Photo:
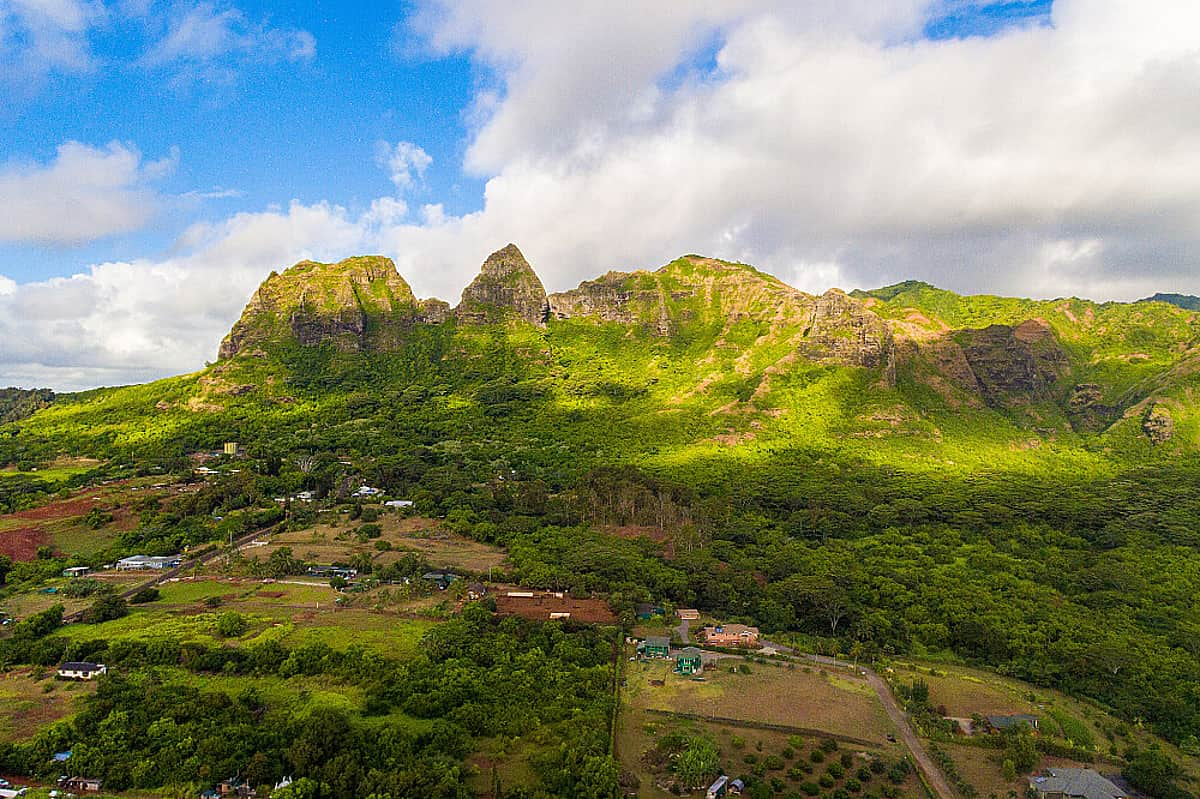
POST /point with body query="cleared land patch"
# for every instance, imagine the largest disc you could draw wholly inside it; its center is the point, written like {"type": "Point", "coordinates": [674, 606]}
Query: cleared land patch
{"type": "Point", "coordinates": [770, 694]}
{"type": "Point", "coordinates": [336, 540]}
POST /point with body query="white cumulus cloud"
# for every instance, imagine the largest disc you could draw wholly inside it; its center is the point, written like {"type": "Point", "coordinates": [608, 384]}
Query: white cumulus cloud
{"type": "Point", "coordinates": [84, 193]}
{"type": "Point", "coordinates": [404, 162]}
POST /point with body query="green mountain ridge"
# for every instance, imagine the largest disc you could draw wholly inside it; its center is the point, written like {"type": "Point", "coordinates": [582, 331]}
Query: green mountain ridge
{"type": "Point", "coordinates": [753, 356]}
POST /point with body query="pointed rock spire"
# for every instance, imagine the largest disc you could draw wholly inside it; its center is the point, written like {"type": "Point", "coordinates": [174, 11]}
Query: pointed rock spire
{"type": "Point", "coordinates": [505, 288]}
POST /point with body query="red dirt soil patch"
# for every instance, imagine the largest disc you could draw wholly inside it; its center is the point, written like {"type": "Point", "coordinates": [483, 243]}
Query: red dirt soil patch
{"type": "Point", "coordinates": [592, 611]}
{"type": "Point", "coordinates": [64, 509]}
{"type": "Point", "coordinates": [22, 543]}
{"type": "Point", "coordinates": [632, 532]}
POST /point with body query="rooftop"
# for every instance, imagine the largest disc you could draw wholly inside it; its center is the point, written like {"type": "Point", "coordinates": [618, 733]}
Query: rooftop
{"type": "Point", "coordinates": [1082, 782]}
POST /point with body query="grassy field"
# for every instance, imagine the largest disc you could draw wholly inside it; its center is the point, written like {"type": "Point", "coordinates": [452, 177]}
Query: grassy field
{"type": "Point", "coordinates": [335, 540]}
{"type": "Point", "coordinates": [27, 704]}
{"type": "Point", "coordinates": [774, 694]}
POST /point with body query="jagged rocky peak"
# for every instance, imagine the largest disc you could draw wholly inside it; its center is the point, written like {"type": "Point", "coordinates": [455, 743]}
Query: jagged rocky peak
{"type": "Point", "coordinates": [313, 302]}
{"type": "Point", "coordinates": [505, 288]}
{"type": "Point", "coordinates": [843, 330]}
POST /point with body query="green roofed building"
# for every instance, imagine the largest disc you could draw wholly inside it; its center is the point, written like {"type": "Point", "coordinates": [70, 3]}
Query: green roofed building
{"type": "Point", "coordinates": [655, 646]}
{"type": "Point", "coordinates": [688, 661]}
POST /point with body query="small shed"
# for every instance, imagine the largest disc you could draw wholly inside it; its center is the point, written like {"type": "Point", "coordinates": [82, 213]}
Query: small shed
{"type": "Point", "coordinates": [76, 571]}
{"type": "Point", "coordinates": [689, 661]}
{"type": "Point", "coordinates": [718, 788]}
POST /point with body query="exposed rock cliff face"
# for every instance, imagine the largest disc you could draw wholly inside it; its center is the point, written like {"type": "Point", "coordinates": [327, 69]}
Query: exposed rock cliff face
{"type": "Point", "coordinates": [358, 303]}
{"type": "Point", "coordinates": [1014, 364]}
{"type": "Point", "coordinates": [833, 328]}
{"type": "Point", "coordinates": [505, 288]}
{"type": "Point", "coordinates": [1157, 424]}
{"type": "Point", "coordinates": [841, 330]}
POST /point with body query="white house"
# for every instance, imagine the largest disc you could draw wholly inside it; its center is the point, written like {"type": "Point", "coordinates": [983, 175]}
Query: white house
{"type": "Point", "coordinates": [156, 562]}
{"type": "Point", "coordinates": [368, 491]}
{"type": "Point", "coordinates": [399, 503]}
{"type": "Point", "coordinates": [76, 670]}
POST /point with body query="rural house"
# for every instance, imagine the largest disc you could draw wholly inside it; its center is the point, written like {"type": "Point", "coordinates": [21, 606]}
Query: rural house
{"type": "Point", "coordinates": [1002, 723]}
{"type": "Point", "coordinates": [80, 784]}
{"type": "Point", "coordinates": [645, 610]}
{"type": "Point", "coordinates": [655, 646]}
{"type": "Point", "coordinates": [156, 563]}
{"type": "Point", "coordinates": [235, 787]}
{"type": "Point", "coordinates": [687, 614]}
{"type": "Point", "coordinates": [1074, 783]}
{"type": "Point", "coordinates": [76, 670]}
{"type": "Point", "coordinates": [441, 579]}
{"type": "Point", "coordinates": [731, 635]}
{"type": "Point", "coordinates": [76, 571]}
{"type": "Point", "coordinates": [688, 661]}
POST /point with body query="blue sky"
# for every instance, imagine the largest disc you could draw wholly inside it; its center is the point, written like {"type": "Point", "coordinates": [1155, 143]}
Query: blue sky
{"type": "Point", "coordinates": [159, 158]}
{"type": "Point", "coordinates": [269, 133]}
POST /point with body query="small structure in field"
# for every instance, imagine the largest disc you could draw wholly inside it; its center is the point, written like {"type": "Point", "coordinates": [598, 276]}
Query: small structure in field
{"type": "Point", "coordinates": [1074, 783]}
{"type": "Point", "coordinates": [689, 661]}
{"type": "Point", "coordinates": [1002, 723]}
{"type": "Point", "coordinates": [731, 635]}
{"type": "Point", "coordinates": [80, 670]}
{"type": "Point", "coordinates": [655, 646]}
{"type": "Point", "coordinates": [399, 504]}
{"type": "Point", "coordinates": [476, 591]}
{"type": "Point", "coordinates": [718, 788]}
{"type": "Point", "coordinates": [441, 579]}
{"type": "Point", "coordinates": [367, 491]}
{"type": "Point", "coordinates": [687, 614]}
{"type": "Point", "coordinates": [76, 571]}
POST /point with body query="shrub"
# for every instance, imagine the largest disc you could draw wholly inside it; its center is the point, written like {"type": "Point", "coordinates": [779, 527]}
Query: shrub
{"type": "Point", "coordinates": [787, 752]}
{"type": "Point", "coordinates": [826, 781]}
{"type": "Point", "coordinates": [817, 756]}
{"type": "Point", "coordinates": [829, 745]}
{"type": "Point", "coordinates": [847, 759]}
{"type": "Point", "coordinates": [106, 608]}
{"type": "Point", "coordinates": [144, 595]}
{"type": "Point", "coordinates": [810, 788]}
{"type": "Point", "coordinates": [863, 774]}
{"type": "Point", "coordinates": [773, 762]}
{"type": "Point", "coordinates": [836, 770]}
{"type": "Point", "coordinates": [853, 786]}
{"type": "Point", "coordinates": [231, 624]}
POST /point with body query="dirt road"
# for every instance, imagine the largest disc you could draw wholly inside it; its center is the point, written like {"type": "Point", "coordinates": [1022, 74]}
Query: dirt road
{"type": "Point", "coordinates": [933, 774]}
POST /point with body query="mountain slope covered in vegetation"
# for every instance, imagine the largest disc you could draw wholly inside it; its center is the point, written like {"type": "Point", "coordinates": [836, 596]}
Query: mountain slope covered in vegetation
{"type": "Point", "coordinates": [1002, 480]}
